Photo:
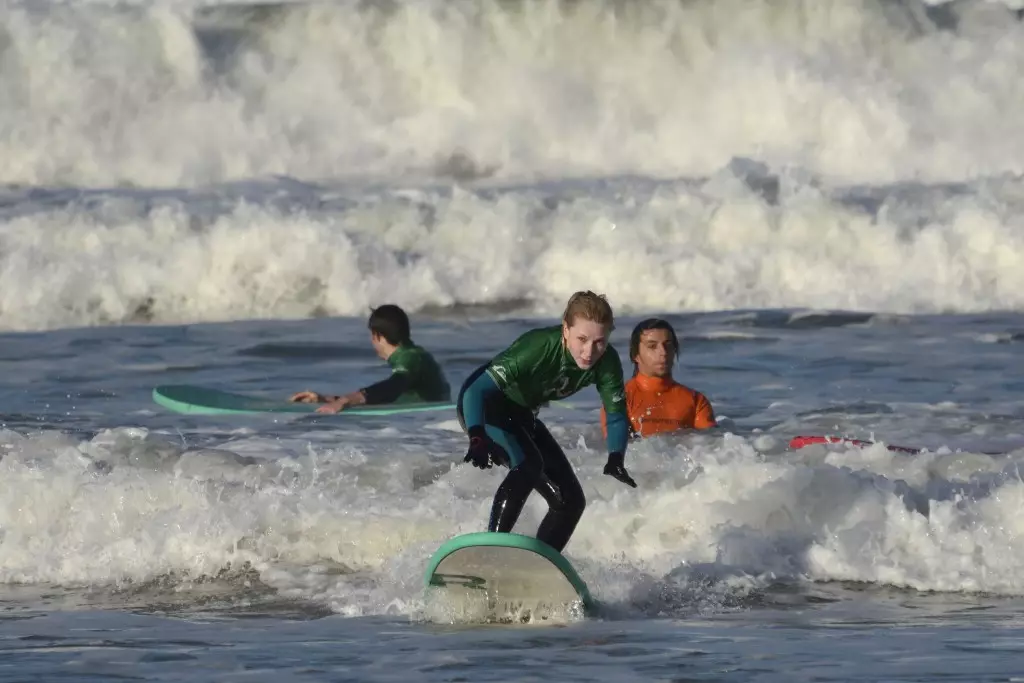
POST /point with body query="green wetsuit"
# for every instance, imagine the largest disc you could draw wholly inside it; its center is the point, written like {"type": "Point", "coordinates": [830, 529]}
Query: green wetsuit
{"type": "Point", "coordinates": [415, 377]}
{"type": "Point", "coordinates": [501, 399]}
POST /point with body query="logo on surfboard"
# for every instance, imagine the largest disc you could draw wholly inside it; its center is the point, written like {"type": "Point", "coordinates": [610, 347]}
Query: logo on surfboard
{"type": "Point", "coordinates": [464, 580]}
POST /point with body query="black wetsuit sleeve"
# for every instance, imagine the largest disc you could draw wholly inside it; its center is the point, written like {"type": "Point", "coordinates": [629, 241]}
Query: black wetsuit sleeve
{"type": "Point", "coordinates": [387, 390]}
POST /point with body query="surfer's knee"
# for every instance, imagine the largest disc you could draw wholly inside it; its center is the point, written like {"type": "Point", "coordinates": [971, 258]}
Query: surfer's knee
{"type": "Point", "coordinates": [566, 497]}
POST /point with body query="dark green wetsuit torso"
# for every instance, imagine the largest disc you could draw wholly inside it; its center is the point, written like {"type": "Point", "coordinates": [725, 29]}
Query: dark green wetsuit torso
{"type": "Point", "coordinates": [415, 377]}
{"type": "Point", "coordinates": [538, 368]}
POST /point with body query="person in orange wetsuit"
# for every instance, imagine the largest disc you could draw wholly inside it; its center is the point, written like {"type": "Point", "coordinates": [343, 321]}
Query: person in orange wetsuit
{"type": "Point", "coordinates": [655, 402]}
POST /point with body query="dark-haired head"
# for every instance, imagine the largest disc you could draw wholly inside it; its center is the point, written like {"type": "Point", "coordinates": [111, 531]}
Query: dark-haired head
{"type": "Point", "coordinates": [390, 322]}
{"type": "Point", "coordinates": [648, 325]}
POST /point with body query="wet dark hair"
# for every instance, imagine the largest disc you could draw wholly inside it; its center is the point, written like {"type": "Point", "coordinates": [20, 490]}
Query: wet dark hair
{"type": "Point", "coordinates": [390, 322]}
{"type": "Point", "coordinates": [644, 326]}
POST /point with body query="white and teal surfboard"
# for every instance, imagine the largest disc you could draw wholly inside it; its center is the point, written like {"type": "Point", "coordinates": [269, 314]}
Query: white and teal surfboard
{"type": "Point", "coordinates": [183, 398]}
{"type": "Point", "coordinates": [488, 576]}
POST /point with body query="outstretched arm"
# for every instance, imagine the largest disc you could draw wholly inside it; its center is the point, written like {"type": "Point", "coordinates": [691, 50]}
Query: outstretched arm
{"type": "Point", "coordinates": [474, 398]}
{"type": "Point", "coordinates": [332, 404]}
{"type": "Point", "coordinates": [618, 436]}
{"type": "Point", "coordinates": [336, 404]}
{"type": "Point", "coordinates": [387, 390]}
{"type": "Point", "coordinates": [613, 397]}
{"type": "Point", "coordinates": [483, 450]}
{"type": "Point", "coordinates": [617, 432]}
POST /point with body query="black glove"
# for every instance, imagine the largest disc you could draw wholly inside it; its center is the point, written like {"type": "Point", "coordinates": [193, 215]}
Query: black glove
{"type": "Point", "coordinates": [615, 468]}
{"type": "Point", "coordinates": [483, 451]}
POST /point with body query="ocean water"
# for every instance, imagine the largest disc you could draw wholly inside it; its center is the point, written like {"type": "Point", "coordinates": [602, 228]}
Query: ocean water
{"type": "Point", "coordinates": [826, 199]}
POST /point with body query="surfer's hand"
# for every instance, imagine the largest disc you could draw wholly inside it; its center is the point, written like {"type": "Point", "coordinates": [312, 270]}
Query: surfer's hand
{"type": "Point", "coordinates": [615, 468]}
{"type": "Point", "coordinates": [483, 452]}
{"type": "Point", "coordinates": [335, 406]}
{"type": "Point", "coordinates": [307, 397]}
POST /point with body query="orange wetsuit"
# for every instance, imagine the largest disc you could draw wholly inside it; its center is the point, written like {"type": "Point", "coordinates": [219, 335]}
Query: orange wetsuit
{"type": "Point", "coordinates": [656, 405]}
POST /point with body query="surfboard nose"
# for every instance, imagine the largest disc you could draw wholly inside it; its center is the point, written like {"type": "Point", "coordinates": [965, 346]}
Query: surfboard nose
{"type": "Point", "coordinates": [498, 573]}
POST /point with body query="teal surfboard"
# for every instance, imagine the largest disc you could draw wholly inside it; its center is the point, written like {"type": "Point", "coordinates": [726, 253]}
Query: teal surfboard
{"type": "Point", "coordinates": [183, 398]}
{"type": "Point", "coordinates": [498, 570]}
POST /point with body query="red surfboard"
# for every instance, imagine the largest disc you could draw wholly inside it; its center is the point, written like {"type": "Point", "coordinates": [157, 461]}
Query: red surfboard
{"type": "Point", "coordinates": [802, 441]}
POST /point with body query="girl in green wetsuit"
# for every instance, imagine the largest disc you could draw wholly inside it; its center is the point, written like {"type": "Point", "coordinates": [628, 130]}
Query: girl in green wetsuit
{"type": "Point", "coordinates": [498, 405]}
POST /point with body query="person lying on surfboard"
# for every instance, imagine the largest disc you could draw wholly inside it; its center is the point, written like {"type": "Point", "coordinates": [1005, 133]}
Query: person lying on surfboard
{"type": "Point", "coordinates": [655, 402]}
{"type": "Point", "coordinates": [498, 404]}
{"type": "Point", "coordinates": [415, 375]}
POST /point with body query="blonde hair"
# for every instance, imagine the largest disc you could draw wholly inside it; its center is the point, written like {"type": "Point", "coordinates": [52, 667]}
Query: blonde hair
{"type": "Point", "coordinates": [589, 306]}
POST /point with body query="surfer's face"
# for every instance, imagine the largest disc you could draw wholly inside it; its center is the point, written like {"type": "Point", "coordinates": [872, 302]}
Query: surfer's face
{"type": "Point", "coordinates": [655, 353]}
{"type": "Point", "coordinates": [586, 341]}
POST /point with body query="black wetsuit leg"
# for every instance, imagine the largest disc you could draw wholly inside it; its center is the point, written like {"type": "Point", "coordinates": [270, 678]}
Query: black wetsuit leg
{"type": "Point", "coordinates": [515, 488]}
{"type": "Point", "coordinates": [538, 463]}
{"type": "Point", "coordinates": [560, 488]}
